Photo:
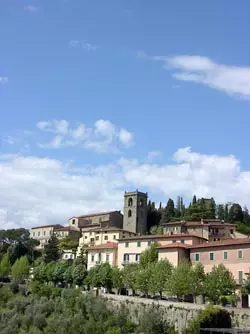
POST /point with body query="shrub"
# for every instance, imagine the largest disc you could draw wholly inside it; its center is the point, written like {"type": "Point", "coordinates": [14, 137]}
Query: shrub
{"type": "Point", "coordinates": [14, 287]}
{"type": "Point", "coordinates": [210, 317]}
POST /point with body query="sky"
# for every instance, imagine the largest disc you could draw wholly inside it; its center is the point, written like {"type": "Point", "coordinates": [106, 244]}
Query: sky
{"type": "Point", "coordinates": [98, 97]}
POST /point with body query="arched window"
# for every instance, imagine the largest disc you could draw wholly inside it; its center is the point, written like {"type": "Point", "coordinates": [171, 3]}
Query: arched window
{"type": "Point", "coordinates": [141, 203]}
{"type": "Point", "coordinates": [129, 213]}
{"type": "Point", "coordinates": [130, 202]}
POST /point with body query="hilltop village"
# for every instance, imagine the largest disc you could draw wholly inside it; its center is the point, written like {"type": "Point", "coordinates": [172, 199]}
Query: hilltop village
{"type": "Point", "coordinates": [119, 239]}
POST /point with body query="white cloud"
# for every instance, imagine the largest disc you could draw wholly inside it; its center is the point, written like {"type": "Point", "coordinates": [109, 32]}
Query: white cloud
{"type": "Point", "coordinates": [83, 44]}
{"type": "Point", "coordinates": [153, 155]}
{"type": "Point", "coordinates": [104, 136]}
{"type": "Point", "coordinates": [233, 80]}
{"type": "Point", "coordinates": [40, 190]}
{"type": "Point", "coordinates": [4, 80]}
{"type": "Point", "coordinates": [31, 9]}
{"type": "Point", "coordinates": [126, 137]}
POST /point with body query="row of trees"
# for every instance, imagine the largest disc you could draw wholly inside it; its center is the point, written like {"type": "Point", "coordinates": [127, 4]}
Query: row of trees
{"type": "Point", "coordinates": [198, 209]}
{"type": "Point", "coordinates": [149, 277]}
{"type": "Point", "coordinates": [18, 271]}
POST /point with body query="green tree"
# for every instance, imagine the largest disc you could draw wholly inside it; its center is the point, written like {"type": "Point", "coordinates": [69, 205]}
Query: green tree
{"type": "Point", "coordinates": [150, 255]}
{"type": "Point", "coordinates": [79, 273]}
{"type": "Point", "coordinates": [129, 274]}
{"type": "Point", "coordinates": [156, 229]}
{"type": "Point", "coordinates": [40, 273]}
{"type": "Point", "coordinates": [219, 282]}
{"type": "Point", "coordinates": [221, 212]}
{"type": "Point", "coordinates": [106, 276]}
{"type": "Point", "coordinates": [226, 212]}
{"type": "Point", "coordinates": [20, 269]}
{"type": "Point", "coordinates": [197, 280]}
{"type": "Point", "coordinates": [235, 214]}
{"type": "Point", "coordinates": [143, 276]}
{"type": "Point", "coordinates": [5, 266]}
{"type": "Point", "coordinates": [160, 276]}
{"type": "Point", "coordinates": [212, 209]}
{"type": "Point", "coordinates": [51, 251]}
{"type": "Point", "coordinates": [194, 201]}
{"type": "Point", "coordinates": [169, 212]}
{"type": "Point", "coordinates": [180, 281]}
{"type": "Point", "coordinates": [117, 278]}
{"type": "Point", "coordinates": [68, 275]}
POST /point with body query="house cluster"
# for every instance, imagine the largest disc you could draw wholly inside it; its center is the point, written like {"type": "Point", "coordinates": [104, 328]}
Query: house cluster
{"type": "Point", "coordinates": [119, 239]}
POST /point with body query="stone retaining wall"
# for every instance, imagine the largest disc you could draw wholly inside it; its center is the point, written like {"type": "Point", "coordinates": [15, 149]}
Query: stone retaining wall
{"type": "Point", "coordinates": [175, 313]}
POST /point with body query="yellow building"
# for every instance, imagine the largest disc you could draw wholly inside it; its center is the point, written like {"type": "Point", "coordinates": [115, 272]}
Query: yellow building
{"type": "Point", "coordinates": [103, 253]}
{"type": "Point", "coordinates": [99, 236]}
{"type": "Point", "coordinates": [43, 233]}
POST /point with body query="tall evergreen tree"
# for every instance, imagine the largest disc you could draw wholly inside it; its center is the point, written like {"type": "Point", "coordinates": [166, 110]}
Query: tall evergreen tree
{"type": "Point", "coordinates": [168, 212]}
{"type": "Point", "coordinates": [212, 208]}
{"type": "Point", "coordinates": [220, 212]}
{"type": "Point", "coordinates": [235, 213]}
{"type": "Point", "coordinates": [226, 212]}
{"type": "Point", "coordinates": [51, 251]}
{"type": "Point", "coordinates": [194, 201]}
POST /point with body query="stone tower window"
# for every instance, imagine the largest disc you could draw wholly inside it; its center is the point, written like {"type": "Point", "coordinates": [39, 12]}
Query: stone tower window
{"type": "Point", "coordinates": [130, 202]}
{"type": "Point", "coordinates": [141, 203]}
{"type": "Point", "coordinates": [129, 213]}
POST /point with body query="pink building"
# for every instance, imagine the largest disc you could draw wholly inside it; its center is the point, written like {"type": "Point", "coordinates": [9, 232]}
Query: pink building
{"type": "Point", "coordinates": [233, 253]}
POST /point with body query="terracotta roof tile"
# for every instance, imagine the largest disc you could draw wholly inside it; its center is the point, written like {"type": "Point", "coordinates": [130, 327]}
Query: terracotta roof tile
{"type": "Point", "coordinates": [161, 236]}
{"type": "Point", "coordinates": [44, 226]}
{"type": "Point", "coordinates": [221, 243]}
{"type": "Point", "coordinates": [104, 246]}
{"type": "Point", "coordinates": [174, 245]}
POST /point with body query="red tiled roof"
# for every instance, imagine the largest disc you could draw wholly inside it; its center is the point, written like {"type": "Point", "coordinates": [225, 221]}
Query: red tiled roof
{"type": "Point", "coordinates": [66, 228]}
{"type": "Point", "coordinates": [221, 243]}
{"type": "Point", "coordinates": [109, 229]}
{"type": "Point", "coordinates": [174, 245]}
{"type": "Point", "coordinates": [161, 236]}
{"type": "Point", "coordinates": [98, 214]}
{"type": "Point", "coordinates": [44, 226]}
{"type": "Point", "coordinates": [104, 246]}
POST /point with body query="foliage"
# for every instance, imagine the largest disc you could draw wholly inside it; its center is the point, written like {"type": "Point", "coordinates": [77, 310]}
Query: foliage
{"type": "Point", "coordinates": [20, 269]}
{"type": "Point", "coordinates": [5, 267]}
{"type": "Point", "coordinates": [129, 274]}
{"type": "Point", "coordinates": [235, 213]}
{"type": "Point", "coordinates": [150, 255]}
{"type": "Point", "coordinates": [180, 281]}
{"type": "Point", "coordinates": [142, 280]}
{"type": "Point", "coordinates": [219, 282]}
{"type": "Point", "coordinates": [210, 317]}
{"type": "Point", "coordinates": [156, 229]}
{"type": "Point", "coordinates": [67, 243]}
{"type": "Point", "coordinates": [117, 278]}
{"type": "Point", "coordinates": [78, 274]}
{"type": "Point", "coordinates": [197, 278]}
{"type": "Point", "coordinates": [168, 212]}
{"type": "Point", "coordinates": [153, 321]}
{"type": "Point", "coordinates": [160, 277]}
{"type": "Point", "coordinates": [51, 251]}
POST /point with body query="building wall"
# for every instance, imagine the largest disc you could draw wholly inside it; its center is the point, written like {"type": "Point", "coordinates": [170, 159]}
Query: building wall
{"type": "Point", "coordinates": [173, 255]}
{"type": "Point", "coordinates": [135, 212]}
{"type": "Point", "coordinates": [233, 262]}
{"type": "Point", "coordinates": [173, 229]}
{"type": "Point", "coordinates": [98, 256]}
{"type": "Point", "coordinates": [201, 231]}
{"type": "Point", "coordinates": [73, 235]}
{"type": "Point", "coordinates": [107, 219]}
{"type": "Point", "coordinates": [42, 234]}
{"type": "Point", "coordinates": [101, 237]}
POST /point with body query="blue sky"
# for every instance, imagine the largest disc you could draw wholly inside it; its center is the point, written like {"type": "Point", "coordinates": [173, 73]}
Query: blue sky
{"type": "Point", "coordinates": [116, 92]}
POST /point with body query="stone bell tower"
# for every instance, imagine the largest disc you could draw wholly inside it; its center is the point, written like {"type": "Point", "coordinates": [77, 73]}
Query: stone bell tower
{"type": "Point", "coordinates": [135, 212]}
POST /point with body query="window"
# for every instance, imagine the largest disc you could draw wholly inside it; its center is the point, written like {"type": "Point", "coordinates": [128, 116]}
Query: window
{"type": "Point", "coordinates": [137, 257]}
{"type": "Point", "coordinates": [106, 237]}
{"type": "Point", "coordinates": [73, 222]}
{"type": "Point", "coordinates": [71, 256]}
{"type": "Point", "coordinates": [126, 258]}
{"type": "Point", "coordinates": [197, 257]}
{"type": "Point", "coordinates": [240, 254]}
{"type": "Point", "coordinates": [129, 213]}
{"type": "Point", "coordinates": [225, 255]}
{"type": "Point", "coordinates": [240, 276]}
{"type": "Point", "coordinates": [66, 256]}
{"type": "Point", "coordinates": [130, 202]}
{"type": "Point", "coordinates": [141, 203]}
{"type": "Point", "coordinates": [97, 238]}
{"type": "Point", "coordinates": [138, 243]}
{"type": "Point", "coordinates": [173, 241]}
{"type": "Point", "coordinates": [149, 242]}
{"type": "Point", "coordinates": [107, 257]}
{"type": "Point", "coordinates": [114, 236]}
{"type": "Point", "coordinates": [92, 258]}
{"type": "Point", "coordinates": [34, 233]}
{"type": "Point", "coordinates": [50, 232]}
{"type": "Point", "coordinates": [211, 256]}
{"type": "Point", "coordinates": [126, 244]}
{"type": "Point", "coordinates": [182, 241]}
{"type": "Point", "coordinates": [86, 237]}
{"type": "Point", "coordinates": [38, 234]}
{"type": "Point", "coordinates": [92, 239]}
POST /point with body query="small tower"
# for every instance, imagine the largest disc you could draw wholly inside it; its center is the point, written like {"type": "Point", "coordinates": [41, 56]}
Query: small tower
{"type": "Point", "coordinates": [135, 212]}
